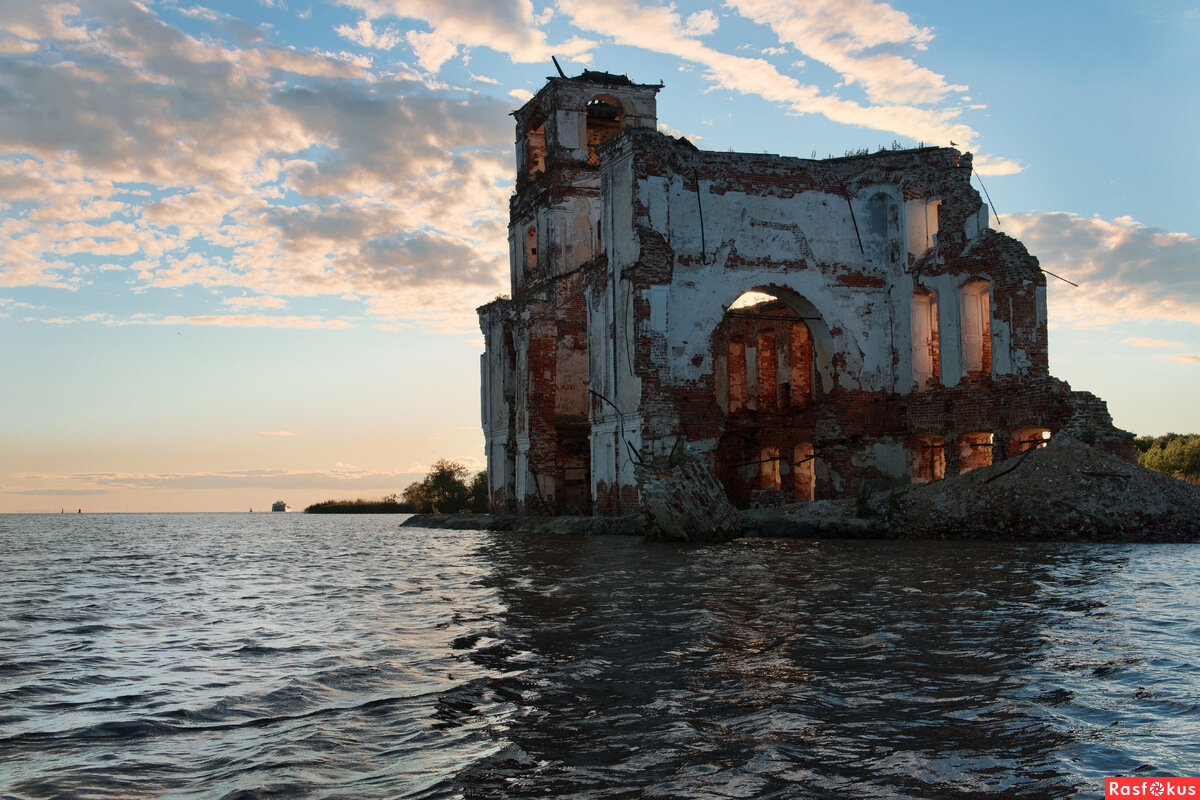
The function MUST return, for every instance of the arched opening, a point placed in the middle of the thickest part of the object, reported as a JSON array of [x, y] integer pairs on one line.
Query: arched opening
[[766, 349], [927, 458], [766, 353], [976, 324], [535, 143], [974, 451], [603, 123], [925, 352], [1023, 439]]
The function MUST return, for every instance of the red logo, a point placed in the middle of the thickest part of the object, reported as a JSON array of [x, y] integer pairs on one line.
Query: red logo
[[1152, 788]]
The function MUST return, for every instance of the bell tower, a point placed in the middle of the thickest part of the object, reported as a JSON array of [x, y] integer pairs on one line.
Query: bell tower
[[535, 370], [558, 188]]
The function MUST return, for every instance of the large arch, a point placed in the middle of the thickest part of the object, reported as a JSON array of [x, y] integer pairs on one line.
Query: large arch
[[822, 339], [773, 361]]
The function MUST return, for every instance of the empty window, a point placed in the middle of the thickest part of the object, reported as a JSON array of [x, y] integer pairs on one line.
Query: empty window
[[535, 143], [974, 451], [883, 223], [976, 328], [927, 457], [924, 339], [530, 252], [603, 123], [1024, 439]]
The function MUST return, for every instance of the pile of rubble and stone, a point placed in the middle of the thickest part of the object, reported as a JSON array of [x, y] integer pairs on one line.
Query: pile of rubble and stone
[[1065, 490]]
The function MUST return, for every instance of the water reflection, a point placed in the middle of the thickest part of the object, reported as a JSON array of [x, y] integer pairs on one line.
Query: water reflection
[[212, 656], [788, 669]]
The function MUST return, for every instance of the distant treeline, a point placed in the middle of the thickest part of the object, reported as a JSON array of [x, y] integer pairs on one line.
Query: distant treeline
[[444, 491], [360, 506], [1175, 454]]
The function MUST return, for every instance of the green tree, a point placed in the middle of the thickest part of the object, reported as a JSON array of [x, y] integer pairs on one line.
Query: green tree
[[479, 492], [416, 496], [444, 490], [1174, 454]]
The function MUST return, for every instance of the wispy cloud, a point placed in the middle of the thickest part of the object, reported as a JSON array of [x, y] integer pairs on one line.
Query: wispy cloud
[[276, 433], [257, 302], [1138, 341], [1126, 270], [193, 162], [506, 26], [902, 97], [103, 482], [1186, 358], [365, 34]]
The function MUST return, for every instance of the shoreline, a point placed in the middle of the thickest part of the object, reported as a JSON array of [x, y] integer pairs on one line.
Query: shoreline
[[761, 523], [1066, 491]]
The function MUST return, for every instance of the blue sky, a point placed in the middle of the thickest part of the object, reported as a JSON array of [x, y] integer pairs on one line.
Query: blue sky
[[241, 242]]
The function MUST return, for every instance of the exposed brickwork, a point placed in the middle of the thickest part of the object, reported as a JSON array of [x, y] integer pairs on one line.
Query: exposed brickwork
[[613, 354]]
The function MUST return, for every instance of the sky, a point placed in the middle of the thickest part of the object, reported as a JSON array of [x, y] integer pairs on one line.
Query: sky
[[241, 243]]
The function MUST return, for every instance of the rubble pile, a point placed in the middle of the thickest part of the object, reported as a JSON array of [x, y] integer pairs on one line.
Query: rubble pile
[[1063, 490]]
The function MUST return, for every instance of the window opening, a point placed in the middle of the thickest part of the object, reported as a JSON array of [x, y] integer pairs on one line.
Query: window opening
[[531, 263], [926, 367], [603, 123], [1024, 439], [535, 143], [976, 324], [927, 458], [974, 451]]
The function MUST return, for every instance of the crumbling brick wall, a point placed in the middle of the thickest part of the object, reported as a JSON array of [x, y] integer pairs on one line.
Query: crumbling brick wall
[[628, 250]]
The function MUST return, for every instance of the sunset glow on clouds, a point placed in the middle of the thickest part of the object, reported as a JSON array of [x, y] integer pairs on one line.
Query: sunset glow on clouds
[[343, 169]]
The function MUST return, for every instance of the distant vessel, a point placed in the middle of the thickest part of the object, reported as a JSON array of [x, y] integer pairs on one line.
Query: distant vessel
[[279, 505]]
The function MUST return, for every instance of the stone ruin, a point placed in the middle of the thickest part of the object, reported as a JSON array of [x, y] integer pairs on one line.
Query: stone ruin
[[800, 328]]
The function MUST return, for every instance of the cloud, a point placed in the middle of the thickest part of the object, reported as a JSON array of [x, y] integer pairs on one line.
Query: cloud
[[276, 433], [1126, 270], [257, 302], [985, 164], [1138, 341], [661, 29], [364, 33], [95, 483], [192, 162], [506, 26], [854, 38], [1186, 358]]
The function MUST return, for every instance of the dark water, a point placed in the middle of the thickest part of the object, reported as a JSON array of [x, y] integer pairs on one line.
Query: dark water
[[223, 656]]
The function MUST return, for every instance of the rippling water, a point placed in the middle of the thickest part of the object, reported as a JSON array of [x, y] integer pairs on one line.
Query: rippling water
[[238, 656]]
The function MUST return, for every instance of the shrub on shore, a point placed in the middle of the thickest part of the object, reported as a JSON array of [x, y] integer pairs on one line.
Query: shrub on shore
[[445, 490]]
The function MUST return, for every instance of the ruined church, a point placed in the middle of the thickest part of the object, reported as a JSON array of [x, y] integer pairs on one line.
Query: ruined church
[[804, 327]]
